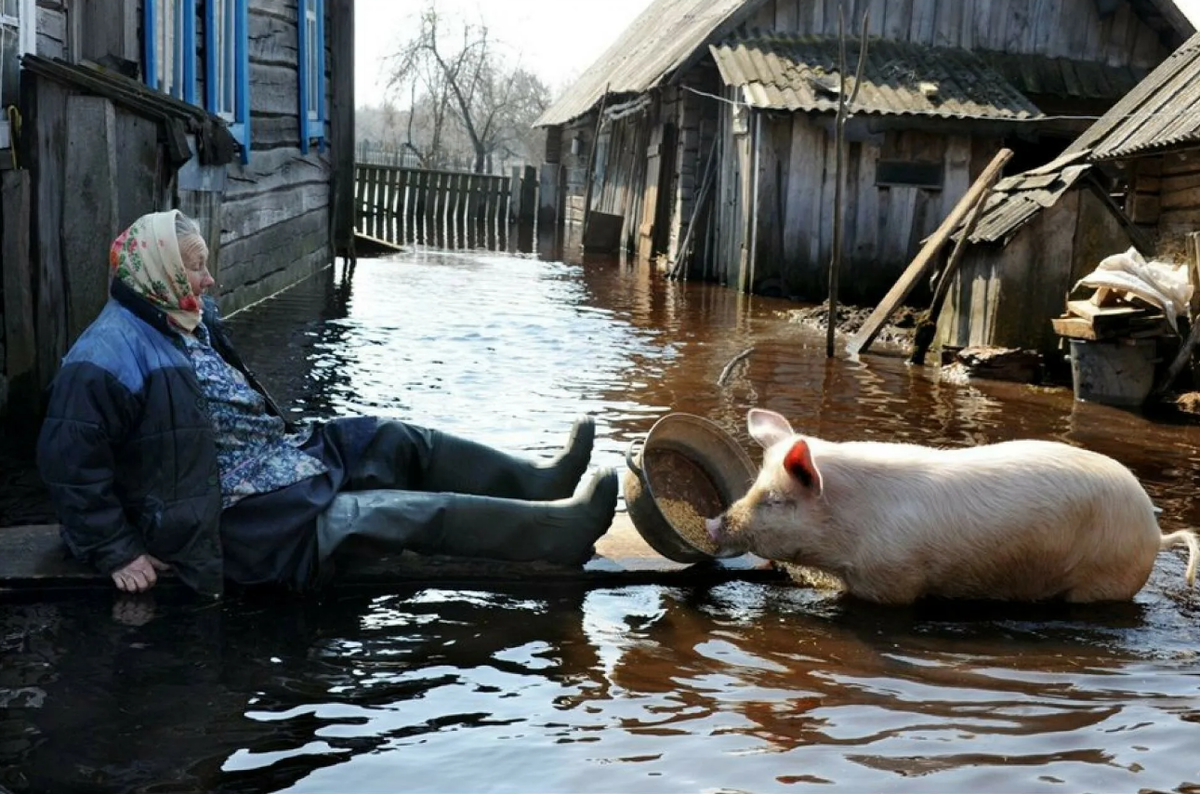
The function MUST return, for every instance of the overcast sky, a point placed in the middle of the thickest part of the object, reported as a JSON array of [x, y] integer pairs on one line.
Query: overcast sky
[[555, 39]]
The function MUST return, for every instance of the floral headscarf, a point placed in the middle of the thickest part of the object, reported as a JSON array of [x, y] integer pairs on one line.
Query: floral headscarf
[[145, 257]]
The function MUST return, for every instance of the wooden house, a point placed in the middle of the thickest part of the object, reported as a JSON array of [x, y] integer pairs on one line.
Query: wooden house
[[239, 112], [704, 136], [1132, 179]]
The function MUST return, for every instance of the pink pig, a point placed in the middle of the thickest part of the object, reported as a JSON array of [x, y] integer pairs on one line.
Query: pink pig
[[1021, 520]]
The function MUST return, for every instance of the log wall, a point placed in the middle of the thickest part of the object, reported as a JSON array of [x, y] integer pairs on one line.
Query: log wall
[[275, 210]]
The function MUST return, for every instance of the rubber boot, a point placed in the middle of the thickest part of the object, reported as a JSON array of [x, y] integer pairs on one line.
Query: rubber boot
[[458, 465], [561, 531]]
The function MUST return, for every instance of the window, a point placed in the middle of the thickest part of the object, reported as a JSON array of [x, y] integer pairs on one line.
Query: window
[[170, 47], [312, 73], [227, 78], [18, 35], [171, 57], [909, 173]]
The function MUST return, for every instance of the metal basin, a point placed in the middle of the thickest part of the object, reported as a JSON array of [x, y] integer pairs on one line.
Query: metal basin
[[686, 467]]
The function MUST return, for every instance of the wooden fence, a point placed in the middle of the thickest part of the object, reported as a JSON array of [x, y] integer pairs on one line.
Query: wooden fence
[[446, 209]]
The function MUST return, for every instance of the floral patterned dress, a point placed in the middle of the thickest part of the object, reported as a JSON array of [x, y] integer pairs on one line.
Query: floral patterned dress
[[255, 453]]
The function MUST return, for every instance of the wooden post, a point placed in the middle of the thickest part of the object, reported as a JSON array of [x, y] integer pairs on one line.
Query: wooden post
[[1192, 242], [835, 261], [16, 264], [591, 165], [89, 192], [360, 200], [48, 115], [340, 24], [548, 236], [527, 210], [925, 257], [514, 207]]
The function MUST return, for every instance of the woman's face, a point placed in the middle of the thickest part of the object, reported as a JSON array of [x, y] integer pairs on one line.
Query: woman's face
[[195, 264]]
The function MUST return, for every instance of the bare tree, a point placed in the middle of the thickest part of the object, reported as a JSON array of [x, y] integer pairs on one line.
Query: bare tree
[[492, 104]]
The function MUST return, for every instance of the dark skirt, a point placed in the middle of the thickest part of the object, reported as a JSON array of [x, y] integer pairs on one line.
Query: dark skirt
[[271, 537]]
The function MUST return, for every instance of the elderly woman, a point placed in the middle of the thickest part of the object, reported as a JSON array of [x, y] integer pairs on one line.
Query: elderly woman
[[159, 449]]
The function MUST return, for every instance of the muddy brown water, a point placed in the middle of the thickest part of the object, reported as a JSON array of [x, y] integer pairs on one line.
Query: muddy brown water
[[738, 687]]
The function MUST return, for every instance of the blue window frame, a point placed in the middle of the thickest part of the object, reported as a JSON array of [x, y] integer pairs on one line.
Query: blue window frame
[[227, 77], [313, 114], [170, 47], [170, 57]]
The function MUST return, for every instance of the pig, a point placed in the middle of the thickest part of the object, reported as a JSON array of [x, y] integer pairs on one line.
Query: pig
[[1020, 520]]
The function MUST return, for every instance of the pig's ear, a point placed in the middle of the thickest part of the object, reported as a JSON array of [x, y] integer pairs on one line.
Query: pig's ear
[[799, 463], [767, 427]]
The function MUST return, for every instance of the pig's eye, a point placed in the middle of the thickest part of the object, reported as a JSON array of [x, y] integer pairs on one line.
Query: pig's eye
[[776, 500]]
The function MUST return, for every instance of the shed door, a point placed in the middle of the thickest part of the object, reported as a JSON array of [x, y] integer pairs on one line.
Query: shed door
[[654, 161]]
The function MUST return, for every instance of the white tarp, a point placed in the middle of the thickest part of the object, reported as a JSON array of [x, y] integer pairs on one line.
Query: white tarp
[[1158, 283]]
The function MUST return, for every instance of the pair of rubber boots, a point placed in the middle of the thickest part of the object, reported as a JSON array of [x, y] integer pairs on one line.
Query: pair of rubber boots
[[476, 501]]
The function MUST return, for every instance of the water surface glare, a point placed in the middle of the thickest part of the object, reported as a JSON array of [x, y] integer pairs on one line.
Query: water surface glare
[[738, 687]]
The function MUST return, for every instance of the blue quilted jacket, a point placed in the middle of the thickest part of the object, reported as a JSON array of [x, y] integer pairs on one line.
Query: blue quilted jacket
[[127, 450]]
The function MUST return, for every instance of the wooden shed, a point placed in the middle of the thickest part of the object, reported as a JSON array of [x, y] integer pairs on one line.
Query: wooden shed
[[1132, 178], [239, 112], [707, 128]]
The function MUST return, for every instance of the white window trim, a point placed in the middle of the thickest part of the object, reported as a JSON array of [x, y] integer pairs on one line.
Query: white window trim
[[27, 42]]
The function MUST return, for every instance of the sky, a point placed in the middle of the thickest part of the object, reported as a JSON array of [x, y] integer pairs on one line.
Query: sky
[[555, 39]]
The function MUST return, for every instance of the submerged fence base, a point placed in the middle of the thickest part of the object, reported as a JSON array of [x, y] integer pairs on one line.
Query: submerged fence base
[[446, 209]]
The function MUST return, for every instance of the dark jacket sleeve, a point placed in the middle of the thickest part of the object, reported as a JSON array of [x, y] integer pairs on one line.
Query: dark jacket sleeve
[[89, 414]]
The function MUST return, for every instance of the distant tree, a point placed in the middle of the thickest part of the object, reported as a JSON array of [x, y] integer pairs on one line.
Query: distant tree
[[466, 82]]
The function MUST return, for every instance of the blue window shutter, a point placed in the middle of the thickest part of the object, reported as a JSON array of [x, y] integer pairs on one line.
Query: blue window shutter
[[189, 51], [320, 131], [149, 53], [304, 55], [311, 63], [185, 48], [211, 56], [242, 54]]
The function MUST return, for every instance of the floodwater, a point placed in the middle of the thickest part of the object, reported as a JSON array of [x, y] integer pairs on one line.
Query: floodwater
[[737, 687]]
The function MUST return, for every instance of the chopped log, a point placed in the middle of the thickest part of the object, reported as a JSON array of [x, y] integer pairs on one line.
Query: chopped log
[[925, 258], [995, 363]]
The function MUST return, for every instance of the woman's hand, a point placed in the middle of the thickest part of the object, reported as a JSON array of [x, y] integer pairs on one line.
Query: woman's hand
[[139, 575]]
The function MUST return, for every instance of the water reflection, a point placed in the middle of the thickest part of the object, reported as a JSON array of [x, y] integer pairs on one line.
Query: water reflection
[[747, 687], [742, 686]]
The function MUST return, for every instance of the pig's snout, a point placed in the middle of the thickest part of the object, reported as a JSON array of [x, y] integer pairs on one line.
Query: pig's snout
[[715, 527]]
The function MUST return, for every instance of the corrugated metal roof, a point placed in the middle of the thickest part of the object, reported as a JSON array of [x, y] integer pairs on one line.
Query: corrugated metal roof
[[661, 39], [899, 78], [1015, 200], [1063, 77], [1162, 111]]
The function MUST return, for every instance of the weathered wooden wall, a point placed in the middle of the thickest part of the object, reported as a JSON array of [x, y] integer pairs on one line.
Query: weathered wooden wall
[[52, 23], [1056, 28], [792, 173], [275, 211], [1006, 296], [1179, 201], [93, 167]]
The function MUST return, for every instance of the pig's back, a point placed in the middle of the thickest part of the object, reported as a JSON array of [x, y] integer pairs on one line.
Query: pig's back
[[1021, 519]]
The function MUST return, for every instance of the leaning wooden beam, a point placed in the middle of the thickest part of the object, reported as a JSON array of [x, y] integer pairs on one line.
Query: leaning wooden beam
[[925, 257], [927, 328]]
